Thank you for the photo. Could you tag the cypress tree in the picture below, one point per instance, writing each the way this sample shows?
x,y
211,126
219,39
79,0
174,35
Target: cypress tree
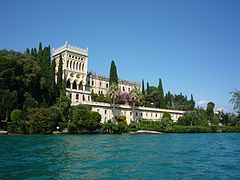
x,y
27,51
40,48
53,81
162,103
143,89
113,77
59,77
32,53
148,90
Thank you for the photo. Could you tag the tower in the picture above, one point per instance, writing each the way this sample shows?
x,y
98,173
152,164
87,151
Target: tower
x,y
75,65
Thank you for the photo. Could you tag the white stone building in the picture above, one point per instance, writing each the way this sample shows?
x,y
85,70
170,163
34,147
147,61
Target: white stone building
x,y
81,83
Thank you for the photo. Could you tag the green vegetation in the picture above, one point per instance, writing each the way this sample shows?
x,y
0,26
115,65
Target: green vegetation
x,y
113,93
113,77
33,103
162,103
16,115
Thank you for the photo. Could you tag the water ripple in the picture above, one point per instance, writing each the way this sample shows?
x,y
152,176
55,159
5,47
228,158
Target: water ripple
x,y
173,156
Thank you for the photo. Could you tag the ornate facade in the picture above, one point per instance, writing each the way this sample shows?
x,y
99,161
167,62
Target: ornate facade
x,y
80,84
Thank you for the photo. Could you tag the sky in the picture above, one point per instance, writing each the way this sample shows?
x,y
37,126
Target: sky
x,y
193,46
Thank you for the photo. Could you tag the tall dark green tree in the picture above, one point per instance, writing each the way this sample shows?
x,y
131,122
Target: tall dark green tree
x,y
113,77
162,103
59,77
143,89
191,103
148,90
53,66
40,48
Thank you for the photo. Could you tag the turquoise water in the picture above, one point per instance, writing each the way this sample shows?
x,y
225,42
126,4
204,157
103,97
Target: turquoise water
x,y
172,156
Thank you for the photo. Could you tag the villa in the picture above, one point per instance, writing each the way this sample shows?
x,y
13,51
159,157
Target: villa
x,y
80,84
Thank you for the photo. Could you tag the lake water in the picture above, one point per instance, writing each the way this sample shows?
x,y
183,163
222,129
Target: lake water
x,y
172,156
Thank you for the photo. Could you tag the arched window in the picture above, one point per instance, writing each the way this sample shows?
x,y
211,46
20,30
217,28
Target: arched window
x,y
70,64
74,85
68,84
77,66
81,86
83,67
106,85
70,96
83,97
100,84
77,96
67,63
74,65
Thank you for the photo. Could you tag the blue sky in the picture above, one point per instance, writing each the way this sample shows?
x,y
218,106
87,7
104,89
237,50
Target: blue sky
x,y
194,46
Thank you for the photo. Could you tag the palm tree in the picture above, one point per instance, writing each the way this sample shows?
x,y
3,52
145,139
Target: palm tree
x,y
113,93
135,97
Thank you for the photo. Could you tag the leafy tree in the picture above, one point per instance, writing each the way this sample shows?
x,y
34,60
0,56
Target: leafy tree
x,y
209,111
189,118
166,115
236,100
162,103
41,120
113,93
86,120
134,96
113,77
7,103
72,128
214,120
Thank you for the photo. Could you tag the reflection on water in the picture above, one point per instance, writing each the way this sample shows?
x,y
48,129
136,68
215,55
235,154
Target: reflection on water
x,y
173,156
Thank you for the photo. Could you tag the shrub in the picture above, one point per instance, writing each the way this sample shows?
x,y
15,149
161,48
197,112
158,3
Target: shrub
x,y
229,129
62,125
72,128
83,107
121,119
166,115
41,120
189,129
86,120
112,128
16,115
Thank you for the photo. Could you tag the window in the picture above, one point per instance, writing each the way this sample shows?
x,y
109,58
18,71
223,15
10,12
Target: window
x,y
123,89
129,89
77,96
88,98
141,114
107,85
130,113
92,91
136,113
156,114
81,86
74,85
105,111
83,98
70,96
92,83
100,84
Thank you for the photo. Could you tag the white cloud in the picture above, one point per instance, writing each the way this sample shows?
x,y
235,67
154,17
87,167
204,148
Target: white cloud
x,y
202,102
